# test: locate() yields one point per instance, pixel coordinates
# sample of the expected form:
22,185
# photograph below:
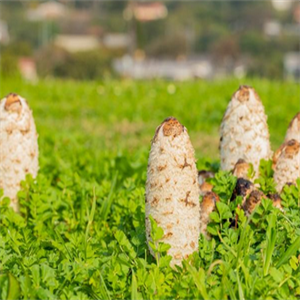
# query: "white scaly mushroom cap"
293,131
287,168
244,131
18,145
172,191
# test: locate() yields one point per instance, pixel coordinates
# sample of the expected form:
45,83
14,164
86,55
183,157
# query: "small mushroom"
203,175
241,169
242,188
276,200
208,205
205,187
252,201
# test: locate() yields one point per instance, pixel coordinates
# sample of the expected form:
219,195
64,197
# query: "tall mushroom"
244,131
18,145
287,165
172,191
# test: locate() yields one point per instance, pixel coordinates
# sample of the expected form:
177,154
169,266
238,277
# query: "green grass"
81,232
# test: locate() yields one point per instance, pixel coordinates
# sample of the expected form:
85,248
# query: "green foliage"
81,231
265,179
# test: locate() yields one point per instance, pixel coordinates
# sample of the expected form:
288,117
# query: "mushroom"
252,201
172,190
287,164
242,188
208,205
276,200
205,186
18,145
241,169
293,131
203,175
244,131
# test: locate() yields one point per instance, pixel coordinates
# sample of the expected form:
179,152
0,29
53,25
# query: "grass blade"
199,279
269,250
105,208
105,290
90,221
13,288
289,252
241,292
134,293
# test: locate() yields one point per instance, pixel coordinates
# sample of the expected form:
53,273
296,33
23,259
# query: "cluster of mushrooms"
173,184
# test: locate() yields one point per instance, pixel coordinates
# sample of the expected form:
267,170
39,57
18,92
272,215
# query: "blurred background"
90,40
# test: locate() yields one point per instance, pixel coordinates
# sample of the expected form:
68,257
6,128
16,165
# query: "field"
81,232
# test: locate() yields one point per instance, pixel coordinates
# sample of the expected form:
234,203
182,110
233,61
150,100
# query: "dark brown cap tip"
292,147
243,93
12,102
172,127
209,200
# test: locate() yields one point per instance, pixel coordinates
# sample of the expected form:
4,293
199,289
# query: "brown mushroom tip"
243,93
292,147
13,102
172,127
206,187
209,200
241,161
276,199
241,169
256,196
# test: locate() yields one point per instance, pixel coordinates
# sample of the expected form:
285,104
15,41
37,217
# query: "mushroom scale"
172,190
18,145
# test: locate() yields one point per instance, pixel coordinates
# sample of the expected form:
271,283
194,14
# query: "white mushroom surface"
287,166
18,145
244,132
293,131
172,191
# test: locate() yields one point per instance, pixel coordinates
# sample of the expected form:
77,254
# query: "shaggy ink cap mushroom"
203,175
172,191
208,205
252,201
242,188
18,145
244,132
241,169
287,166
